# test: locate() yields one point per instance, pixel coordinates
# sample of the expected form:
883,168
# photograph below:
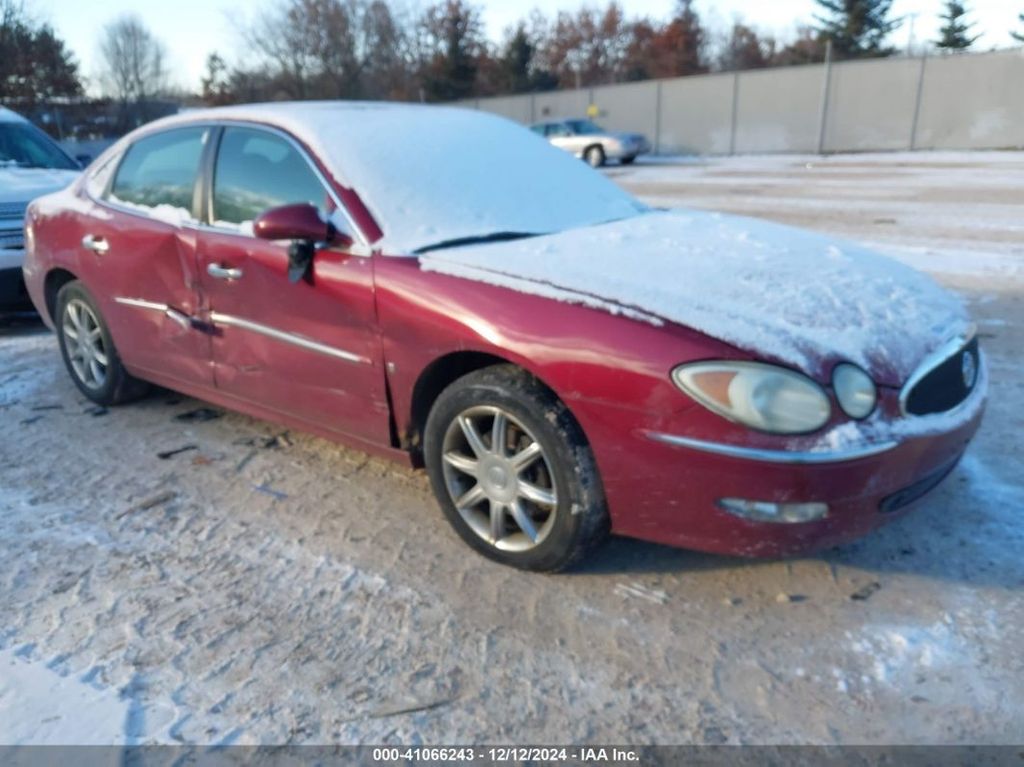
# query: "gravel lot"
255,590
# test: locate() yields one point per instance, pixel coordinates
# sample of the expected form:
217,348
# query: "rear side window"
161,169
256,171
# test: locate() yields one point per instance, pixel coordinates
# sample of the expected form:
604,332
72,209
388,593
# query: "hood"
25,184
777,292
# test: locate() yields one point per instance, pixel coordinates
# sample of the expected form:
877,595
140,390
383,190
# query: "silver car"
31,165
591,142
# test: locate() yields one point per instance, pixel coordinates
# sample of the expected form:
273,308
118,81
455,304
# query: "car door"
309,349
139,239
560,135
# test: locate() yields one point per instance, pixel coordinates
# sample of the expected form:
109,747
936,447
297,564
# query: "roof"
432,174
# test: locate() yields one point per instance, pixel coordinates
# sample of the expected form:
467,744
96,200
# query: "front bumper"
626,150
668,491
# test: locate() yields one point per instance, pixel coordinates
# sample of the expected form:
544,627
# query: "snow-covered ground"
297,591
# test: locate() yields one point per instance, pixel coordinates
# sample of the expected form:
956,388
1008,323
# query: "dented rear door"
142,236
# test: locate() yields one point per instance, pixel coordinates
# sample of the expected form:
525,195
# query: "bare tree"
133,62
309,47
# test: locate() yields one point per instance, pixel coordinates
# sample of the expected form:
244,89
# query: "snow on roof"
432,174
776,291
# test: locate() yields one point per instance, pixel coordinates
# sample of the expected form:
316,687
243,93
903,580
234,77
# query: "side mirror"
297,222
302,224
83,159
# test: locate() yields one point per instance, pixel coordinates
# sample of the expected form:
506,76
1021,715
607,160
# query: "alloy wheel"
83,339
499,478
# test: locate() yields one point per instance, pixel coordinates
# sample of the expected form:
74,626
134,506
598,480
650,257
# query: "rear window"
161,169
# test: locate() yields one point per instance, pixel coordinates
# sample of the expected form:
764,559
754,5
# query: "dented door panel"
309,349
151,280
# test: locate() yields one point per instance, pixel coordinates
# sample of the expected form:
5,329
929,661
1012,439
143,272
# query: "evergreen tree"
516,61
954,32
34,63
857,28
455,43
1019,36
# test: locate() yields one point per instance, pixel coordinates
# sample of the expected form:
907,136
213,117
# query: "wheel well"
437,376
55,280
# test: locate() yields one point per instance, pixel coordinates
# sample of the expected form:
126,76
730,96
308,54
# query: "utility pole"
910,37
826,90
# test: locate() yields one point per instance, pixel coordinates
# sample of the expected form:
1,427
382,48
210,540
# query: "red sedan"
443,287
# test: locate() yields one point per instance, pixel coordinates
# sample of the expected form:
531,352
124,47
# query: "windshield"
432,175
584,127
23,146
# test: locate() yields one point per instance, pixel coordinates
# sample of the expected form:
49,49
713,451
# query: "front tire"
88,349
513,472
594,156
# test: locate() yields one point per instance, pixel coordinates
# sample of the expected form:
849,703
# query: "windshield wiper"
476,240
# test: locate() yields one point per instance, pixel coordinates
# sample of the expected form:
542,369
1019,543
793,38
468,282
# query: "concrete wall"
973,101
871,105
696,115
777,110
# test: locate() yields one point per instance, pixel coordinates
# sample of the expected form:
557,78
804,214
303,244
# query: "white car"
31,165
589,141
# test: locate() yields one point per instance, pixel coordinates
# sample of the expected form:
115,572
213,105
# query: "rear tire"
530,497
594,156
88,349
627,160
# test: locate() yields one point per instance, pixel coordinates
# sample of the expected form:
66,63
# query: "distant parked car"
31,165
589,141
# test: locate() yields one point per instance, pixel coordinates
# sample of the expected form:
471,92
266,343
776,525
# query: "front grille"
14,210
12,240
945,386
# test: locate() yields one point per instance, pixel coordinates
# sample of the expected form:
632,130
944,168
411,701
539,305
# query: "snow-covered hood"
25,184
782,293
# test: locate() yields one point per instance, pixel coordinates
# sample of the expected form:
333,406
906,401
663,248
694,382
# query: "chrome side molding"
775,456
139,303
289,338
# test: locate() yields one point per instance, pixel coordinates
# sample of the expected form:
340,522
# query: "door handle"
223,273
97,245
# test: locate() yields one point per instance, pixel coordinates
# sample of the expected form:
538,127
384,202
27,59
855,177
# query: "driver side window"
256,171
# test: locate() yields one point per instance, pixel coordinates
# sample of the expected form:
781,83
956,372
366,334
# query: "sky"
191,29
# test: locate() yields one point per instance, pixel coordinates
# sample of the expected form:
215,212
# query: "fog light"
783,513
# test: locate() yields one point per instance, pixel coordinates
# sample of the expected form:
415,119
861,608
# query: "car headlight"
855,390
758,395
